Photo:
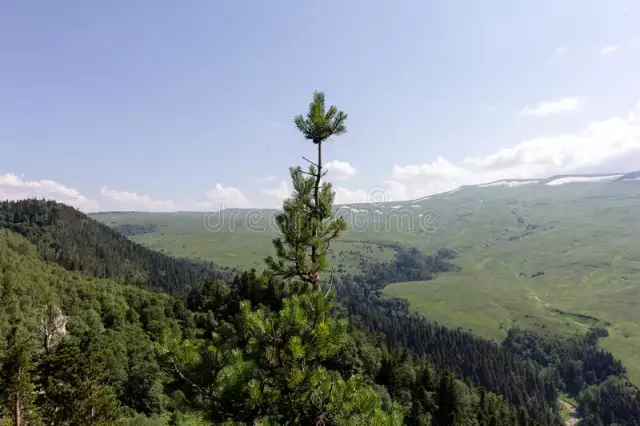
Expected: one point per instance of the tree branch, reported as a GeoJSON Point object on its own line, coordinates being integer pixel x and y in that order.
{"type": "Point", "coordinates": [311, 162]}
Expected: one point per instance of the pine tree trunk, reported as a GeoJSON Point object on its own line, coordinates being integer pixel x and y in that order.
{"type": "Point", "coordinates": [17, 411]}
{"type": "Point", "coordinates": [316, 196]}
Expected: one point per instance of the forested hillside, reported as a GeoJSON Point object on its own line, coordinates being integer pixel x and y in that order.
{"type": "Point", "coordinates": [91, 351]}
{"type": "Point", "coordinates": [132, 341]}
{"type": "Point", "coordinates": [73, 240]}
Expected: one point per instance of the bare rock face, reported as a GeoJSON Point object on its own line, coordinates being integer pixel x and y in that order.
{"type": "Point", "coordinates": [53, 327]}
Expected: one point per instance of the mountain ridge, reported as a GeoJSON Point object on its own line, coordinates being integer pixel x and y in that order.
{"type": "Point", "coordinates": [78, 242]}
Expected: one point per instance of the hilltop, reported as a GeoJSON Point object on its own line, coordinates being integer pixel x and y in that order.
{"type": "Point", "coordinates": [80, 243]}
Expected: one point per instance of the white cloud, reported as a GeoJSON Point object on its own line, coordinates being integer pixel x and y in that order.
{"type": "Point", "coordinates": [13, 187]}
{"type": "Point", "coordinates": [607, 50]}
{"type": "Point", "coordinates": [601, 143]}
{"type": "Point", "coordinates": [124, 200]}
{"type": "Point", "coordinates": [340, 170]}
{"type": "Point", "coordinates": [224, 197]}
{"type": "Point", "coordinates": [560, 106]}
{"type": "Point", "coordinates": [266, 179]}
{"type": "Point", "coordinates": [279, 194]}
{"type": "Point", "coordinates": [348, 196]}
{"type": "Point", "coordinates": [343, 195]}
{"type": "Point", "coordinates": [560, 51]}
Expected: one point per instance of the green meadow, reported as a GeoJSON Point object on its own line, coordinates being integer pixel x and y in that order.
{"type": "Point", "coordinates": [560, 257]}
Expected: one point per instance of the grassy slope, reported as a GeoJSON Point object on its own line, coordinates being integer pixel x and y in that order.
{"type": "Point", "coordinates": [585, 241]}
{"type": "Point", "coordinates": [230, 240]}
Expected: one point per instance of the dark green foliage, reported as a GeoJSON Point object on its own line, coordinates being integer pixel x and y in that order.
{"type": "Point", "coordinates": [521, 382]}
{"type": "Point", "coordinates": [99, 364]}
{"type": "Point", "coordinates": [76, 383]}
{"type": "Point", "coordinates": [578, 360]}
{"type": "Point", "coordinates": [585, 371]}
{"type": "Point", "coordinates": [64, 235]}
{"type": "Point", "coordinates": [16, 383]}
{"type": "Point", "coordinates": [277, 351]}
{"type": "Point", "coordinates": [615, 401]}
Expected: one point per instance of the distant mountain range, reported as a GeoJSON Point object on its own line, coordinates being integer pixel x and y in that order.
{"type": "Point", "coordinates": [553, 181]}
{"type": "Point", "coordinates": [358, 207]}
{"type": "Point", "coordinates": [564, 179]}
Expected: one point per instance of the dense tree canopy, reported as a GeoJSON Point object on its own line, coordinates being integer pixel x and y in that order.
{"type": "Point", "coordinates": [73, 240]}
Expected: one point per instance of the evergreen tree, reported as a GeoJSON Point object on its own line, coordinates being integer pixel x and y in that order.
{"type": "Point", "coordinates": [306, 224]}
{"type": "Point", "coordinates": [76, 382]}
{"type": "Point", "coordinates": [292, 345]}
{"type": "Point", "coordinates": [16, 387]}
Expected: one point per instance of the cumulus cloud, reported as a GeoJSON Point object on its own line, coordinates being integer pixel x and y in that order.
{"type": "Point", "coordinates": [607, 50]}
{"type": "Point", "coordinates": [546, 108]}
{"type": "Point", "coordinates": [224, 197]}
{"type": "Point", "coordinates": [559, 53]}
{"type": "Point", "coordinates": [600, 143]}
{"type": "Point", "coordinates": [266, 179]}
{"type": "Point", "coordinates": [13, 187]}
{"type": "Point", "coordinates": [343, 195]}
{"type": "Point", "coordinates": [124, 200]}
{"type": "Point", "coordinates": [340, 170]}
{"type": "Point", "coordinates": [348, 196]}
{"type": "Point", "coordinates": [278, 194]}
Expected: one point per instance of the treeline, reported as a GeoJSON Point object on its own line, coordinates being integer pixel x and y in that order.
{"type": "Point", "coordinates": [614, 402]}
{"type": "Point", "coordinates": [133, 229]}
{"type": "Point", "coordinates": [80, 350]}
{"type": "Point", "coordinates": [484, 363]}
{"type": "Point", "coordinates": [73, 240]}
{"type": "Point", "coordinates": [578, 360]}
{"type": "Point", "coordinates": [592, 375]}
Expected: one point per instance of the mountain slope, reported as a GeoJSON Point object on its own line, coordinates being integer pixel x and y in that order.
{"type": "Point", "coordinates": [114, 357]}
{"type": "Point", "coordinates": [88, 341]}
{"type": "Point", "coordinates": [78, 242]}
{"type": "Point", "coordinates": [583, 236]}
{"type": "Point", "coordinates": [521, 383]}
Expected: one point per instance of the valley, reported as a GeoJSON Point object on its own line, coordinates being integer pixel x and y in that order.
{"type": "Point", "coordinates": [559, 254]}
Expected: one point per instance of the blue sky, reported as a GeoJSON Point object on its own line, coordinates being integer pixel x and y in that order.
{"type": "Point", "coordinates": [160, 105]}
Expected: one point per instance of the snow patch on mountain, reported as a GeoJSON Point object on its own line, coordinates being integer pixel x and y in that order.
{"type": "Point", "coordinates": [354, 210]}
{"type": "Point", "coordinates": [450, 192]}
{"type": "Point", "coordinates": [581, 179]}
{"type": "Point", "coordinates": [509, 183]}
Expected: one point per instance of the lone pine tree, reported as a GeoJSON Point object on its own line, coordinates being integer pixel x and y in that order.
{"type": "Point", "coordinates": [307, 224]}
